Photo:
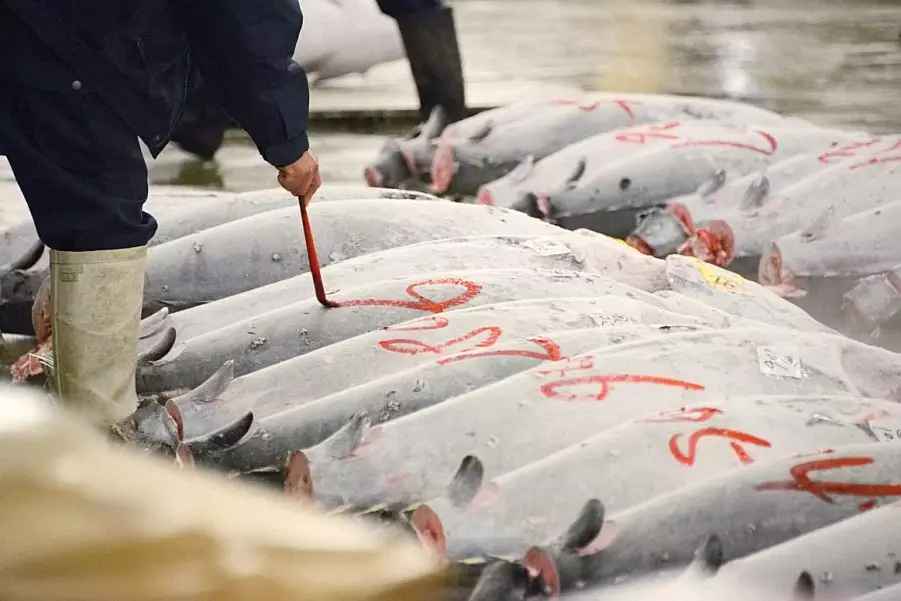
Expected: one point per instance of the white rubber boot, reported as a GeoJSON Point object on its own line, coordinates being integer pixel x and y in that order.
{"type": "Point", "coordinates": [96, 299]}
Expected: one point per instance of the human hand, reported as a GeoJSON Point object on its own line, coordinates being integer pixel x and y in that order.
{"type": "Point", "coordinates": [301, 178]}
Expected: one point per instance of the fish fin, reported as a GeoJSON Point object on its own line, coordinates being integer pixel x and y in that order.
{"type": "Point", "coordinates": [523, 169]}
{"type": "Point", "coordinates": [298, 478]}
{"type": "Point", "coordinates": [756, 193]}
{"type": "Point", "coordinates": [481, 133]}
{"type": "Point", "coordinates": [466, 483]}
{"type": "Point", "coordinates": [805, 588]}
{"type": "Point", "coordinates": [541, 565]}
{"type": "Point", "coordinates": [223, 438]}
{"type": "Point", "coordinates": [175, 413]}
{"type": "Point", "coordinates": [576, 174]}
{"type": "Point", "coordinates": [212, 388]}
{"type": "Point", "coordinates": [603, 540]}
{"type": "Point", "coordinates": [347, 439]}
{"type": "Point", "coordinates": [709, 556]}
{"type": "Point", "coordinates": [28, 259]}
{"type": "Point", "coordinates": [585, 528]}
{"type": "Point", "coordinates": [159, 349]}
{"type": "Point", "coordinates": [183, 457]}
{"type": "Point", "coordinates": [430, 531]}
{"type": "Point", "coordinates": [154, 323]}
{"type": "Point", "coordinates": [819, 226]}
{"type": "Point", "coordinates": [435, 124]}
{"type": "Point", "coordinates": [713, 184]}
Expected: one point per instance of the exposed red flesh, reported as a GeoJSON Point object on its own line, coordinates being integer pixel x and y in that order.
{"type": "Point", "coordinates": [681, 212]}
{"type": "Point", "coordinates": [485, 197]}
{"type": "Point", "coordinates": [713, 242]}
{"type": "Point", "coordinates": [373, 177]}
{"type": "Point", "coordinates": [769, 272]}
{"type": "Point", "coordinates": [442, 169]}
{"type": "Point", "coordinates": [640, 245]}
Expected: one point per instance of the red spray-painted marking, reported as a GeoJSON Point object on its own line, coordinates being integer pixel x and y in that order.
{"type": "Point", "coordinates": [551, 353]}
{"type": "Point", "coordinates": [434, 322]}
{"type": "Point", "coordinates": [627, 107]}
{"type": "Point", "coordinates": [822, 489]}
{"type": "Point", "coordinates": [657, 132]}
{"type": "Point", "coordinates": [569, 365]}
{"type": "Point", "coordinates": [845, 151]}
{"type": "Point", "coordinates": [422, 303]}
{"type": "Point", "coordinates": [694, 414]}
{"type": "Point", "coordinates": [582, 107]}
{"type": "Point", "coordinates": [407, 346]}
{"type": "Point", "coordinates": [551, 389]}
{"type": "Point", "coordinates": [689, 457]}
{"type": "Point", "coordinates": [875, 161]}
{"type": "Point", "coordinates": [770, 140]}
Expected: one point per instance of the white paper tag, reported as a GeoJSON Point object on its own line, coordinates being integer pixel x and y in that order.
{"type": "Point", "coordinates": [547, 247]}
{"type": "Point", "coordinates": [610, 319]}
{"type": "Point", "coordinates": [886, 429]}
{"type": "Point", "coordinates": [781, 362]}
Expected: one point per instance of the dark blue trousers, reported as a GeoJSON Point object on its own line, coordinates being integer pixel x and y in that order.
{"type": "Point", "coordinates": [79, 166]}
{"type": "Point", "coordinates": [399, 9]}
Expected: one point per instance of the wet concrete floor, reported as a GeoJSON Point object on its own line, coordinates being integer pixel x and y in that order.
{"type": "Point", "coordinates": [834, 62]}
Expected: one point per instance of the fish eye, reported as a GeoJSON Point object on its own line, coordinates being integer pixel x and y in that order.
{"type": "Point", "coordinates": [625, 183]}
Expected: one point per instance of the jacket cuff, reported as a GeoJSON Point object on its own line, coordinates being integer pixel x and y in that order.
{"type": "Point", "coordinates": [286, 153]}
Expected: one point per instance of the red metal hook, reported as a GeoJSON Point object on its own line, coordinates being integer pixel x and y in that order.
{"type": "Point", "coordinates": [314, 259]}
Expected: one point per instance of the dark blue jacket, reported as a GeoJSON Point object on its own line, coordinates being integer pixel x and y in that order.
{"type": "Point", "coordinates": [141, 57]}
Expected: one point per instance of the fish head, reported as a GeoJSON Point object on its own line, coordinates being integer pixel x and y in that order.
{"type": "Point", "coordinates": [462, 165]}
{"type": "Point", "coordinates": [507, 581]}
{"type": "Point", "coordinates": [775, 276]}
{"type": "Point", "coordinates": [507, 191]}
{"type": "Point", "coordinates": [390, 168]}
{"type": "Point", "coordinates": [154, 427]}
{"type": "Point", "coordinates": [661, 232]}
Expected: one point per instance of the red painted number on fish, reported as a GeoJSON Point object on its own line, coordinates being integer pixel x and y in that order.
{"type": "Point", "coordinates": [839, 152]}
{"type": "Point", "coordinates": [550, 352]}
{"type": "Point", "coordinates": [738, 438]}
{"type": "Point", "coordinates": [653, 132]}
{"type": "Point", "coordinates": [821, 489]}
{"type": "Point", "coordinates": [879, 158]}
{"type": "Point", "coordinates": [768, 149]}
{"type": "Point", "coordinates": [694, 414]}
{"type": "Point", "coordinates": [566, 389]}
{"type": "Point", "coordinates": [407, 346]}
{"type": "Point", "coordinates": [550, 349]}
{"type": "Point", "coordinates": [419, 302]}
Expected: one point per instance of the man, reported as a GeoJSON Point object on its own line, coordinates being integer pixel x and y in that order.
{"type": "Point", "coordinates": [430, 40]}
{"type": "Point", "coordinates": [80, 82]}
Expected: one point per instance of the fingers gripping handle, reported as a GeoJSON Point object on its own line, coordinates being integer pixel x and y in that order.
{"type": "Point", "coordinates": [311, 255]}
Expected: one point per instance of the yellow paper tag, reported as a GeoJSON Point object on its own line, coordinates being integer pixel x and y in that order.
{"type": "Point", "coordinates": [624, 243]}
{"type": "Point", "coordinates": [718, 278]}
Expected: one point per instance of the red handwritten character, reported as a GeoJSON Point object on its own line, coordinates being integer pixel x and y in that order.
{"type": "Point", "coordinates": [768, 149]}
{"type": "Point", "coordinates": [419, 302]}
{"type": "Point", "coordinates": [736, 436]}
{"type": "Point", "coordinates": [693, 414]}
{"type": "Point", "coordinates": [554, 390]}
{"type": "Point", "coordinates": [568, 366]}
{"type": "Point", "coordinates": [821, 489]}
{"type": "Point", "coordinates": [844, 151]}
{"type": "Point", "coordinates": [551, 352]}
{"type": "Point", "coordinates": [656, 132]}
{"type": "Point", "coordinates": [407, 346]}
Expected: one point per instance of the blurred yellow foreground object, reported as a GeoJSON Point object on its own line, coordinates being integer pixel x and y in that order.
{"type": "Point", "coordinates": [83, 519]}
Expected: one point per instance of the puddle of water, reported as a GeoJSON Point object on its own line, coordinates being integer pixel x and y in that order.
{"type": "Point", "coordinates": [834, 62]}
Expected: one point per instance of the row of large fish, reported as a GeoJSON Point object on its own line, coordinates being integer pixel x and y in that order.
{"type": "Point", "coordinates": [548, 410]}
{"type": "Point", "coordinates": [800, 208]}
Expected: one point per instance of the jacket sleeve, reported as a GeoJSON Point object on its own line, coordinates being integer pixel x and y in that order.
{"type": "Point", "coordinates": [244, 49]}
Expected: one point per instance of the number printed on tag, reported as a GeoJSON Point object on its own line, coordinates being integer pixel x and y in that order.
{"type": "Point", "coordinates": [547, 247]}
{"type": "Point", "coordinates": [717, 278]}
{"type": "Point", "coordinates": [886, 430]}
{"type": "Point", "coordinates": [779, 362]}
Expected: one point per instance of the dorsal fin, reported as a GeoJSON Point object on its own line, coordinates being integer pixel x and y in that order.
{"type": "Point", "coordinates": [713, 184]}
{"type": "Point", "coordinates": [819, 226]}
{"type": "Point", "coordinates": [756, 193]}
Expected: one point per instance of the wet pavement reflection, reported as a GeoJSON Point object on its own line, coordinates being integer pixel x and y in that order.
{"type": "Point", "coordinates": [836, 63]}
